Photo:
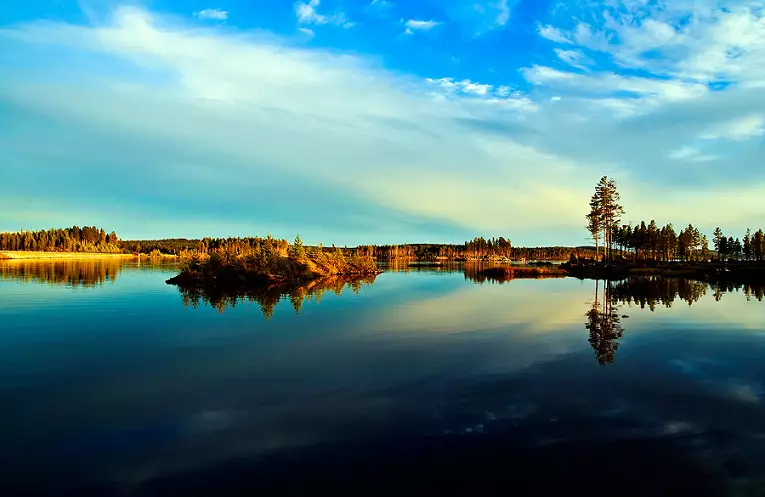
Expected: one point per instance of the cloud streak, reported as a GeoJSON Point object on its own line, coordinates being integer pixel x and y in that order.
{"type": "Point", "coordinates": [212, 15]}
{"type": "Point", "coordinates": [307, 13]}
{"type": "Point", "coordinates": [414, 25]}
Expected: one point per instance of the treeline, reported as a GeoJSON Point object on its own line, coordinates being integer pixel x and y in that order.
{"type": "Point", "coordinates": [75, 239]}
{"type": "Point", "coordinates": [170, 246]}
{"type": "Point", "coordinates": [477, 249]}
{"type": "Point", "coordinates": [650, 242]}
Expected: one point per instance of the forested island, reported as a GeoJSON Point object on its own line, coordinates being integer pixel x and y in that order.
{"type": "Point", "coordinates": [272, 262]}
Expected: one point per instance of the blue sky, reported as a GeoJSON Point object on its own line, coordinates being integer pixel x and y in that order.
{"type": "Point", "coordinates": [360, 121]}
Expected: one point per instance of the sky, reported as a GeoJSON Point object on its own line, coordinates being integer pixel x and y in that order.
{"type": "Point", "coordinates": [380, 121]}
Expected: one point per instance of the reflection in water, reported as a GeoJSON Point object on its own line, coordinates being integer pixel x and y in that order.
{"type": "Point", "coordinates": [268, 296]}
{"type": "Point", "coordinates": [604, 324]}
{"type": "Point", "coordinates": [644, 291]}
{"type": "Point", "coordinates": [657, 291]}
{"type": "Point", "coordinates": [473, 272]}
{"type": "Point", "coordinates": [75, 272]}
{"type": "Point", "coordinates": [401, 266]}
{"type": "Point", "coordinates": [483, 389]}
{"type": "Point", "coordinates": [603, 319]}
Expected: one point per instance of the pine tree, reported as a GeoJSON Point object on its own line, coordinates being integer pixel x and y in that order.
{"type": "Point", "coordinates": [758, 246]}
{"type": "Point", "coordinates": [717, 239]}
{"type": "Point", "coordinates": [605, 214]}
{"type": "Point", "coordinates": [297, 250]}
{"type": "Point", "coordinates": [748, 244]}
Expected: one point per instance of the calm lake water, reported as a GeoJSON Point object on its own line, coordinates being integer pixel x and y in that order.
{"type": "Point", "coordinates": [419, 382]}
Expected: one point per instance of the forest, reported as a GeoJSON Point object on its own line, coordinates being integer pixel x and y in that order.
{"type": "Point", "coordinates": [650, 242]}
{"type": "Point", "coordinates": [476, 249]}
{"type": "Point", "coordinates": [88, 239]}
{"type": "Point", "coordinates": [92, 239]}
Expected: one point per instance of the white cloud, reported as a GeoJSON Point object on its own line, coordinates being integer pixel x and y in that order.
{"type": "Point", "coordinates": [212, 14]}
{"type": "Point", "coordinates": [701, 40]}
{"type": "Point", "coordinates": [415, 25]}
{"type": "Point", "coordinates": [690, 154]}
{"type": "Point", "coordinates": [609, 83]}
{"type": "Point", "coordinates": [307, 13]}
{"type": "Point", "coordinates": [496, 13]}
{"type": "Point", "coordinates": [381, 4]}
{"type": "Point", "coordinates": [574, 58]}
{"type": "Point", "coordinates": [451, 87]}
{"type": "Point", "coordinates": [503, 13]}
{"type": "Point", "coordinates": [307, 31]}
{"type": "Point", "coordinates": [553, 34]}
{"type": "Point", "coordinates": [739, 129]}
{"type": "Point", "coordinates": [478, 17]}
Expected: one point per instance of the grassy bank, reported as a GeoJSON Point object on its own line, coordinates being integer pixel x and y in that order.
{"type": "Point", "coordinates": [30, 255]}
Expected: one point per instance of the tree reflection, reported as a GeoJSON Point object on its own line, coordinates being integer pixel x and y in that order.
{"type": "Point", "coordinates": [652, 292]}
{"type": "Point", "coordinates": [604, 318]}
{"type": "Point", "coordinates": [267, 297]}
{"type": "Point", "coordinates": [74, 273]}
{"type": "Point", "coordinates": [604, 324]}
{"type": "Point", "coordinates": [474, 272]}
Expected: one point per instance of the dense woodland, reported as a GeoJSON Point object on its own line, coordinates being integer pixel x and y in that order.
{"type": "Point", "coordinates": [74, 239]}
{"type": "Point", "coordinates": [476, 249]}
{"type": "Point", "coordinates": [651, 242]}
{"type": "Point", "coordinates": [170, 246]}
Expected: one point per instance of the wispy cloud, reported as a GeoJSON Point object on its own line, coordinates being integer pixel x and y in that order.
{"type": "Point", "coordinates": [496, 13]}
{"type": "Point", "coordinates": [413, 25]}
{"type": "Point", "coordinates": [705, 40]}
{"type": "Point", "coordinates": [479, 17]}
{"type": "Point", "coordinates": [307, 31]}
{"type": "Point", "coordinates": [690, 154]}
{"type": "Point", "coordinates": [380, 5]}
{"type": "Point", "coordinates": [212, 15]}
{"type": "Point", "coordinates": [307, 13]}
{"type": "Point", "coordinates": [450, 87]}
{"type": "Point", "coordinates": [739, 129]}
{"type": "Point", "coordinates": [574, 58]}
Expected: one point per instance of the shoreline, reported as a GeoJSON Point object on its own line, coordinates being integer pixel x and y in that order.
{"type": "Point", "coordinates": [10, 255]}
{"type": "Point", "coordinates": [749, 272]}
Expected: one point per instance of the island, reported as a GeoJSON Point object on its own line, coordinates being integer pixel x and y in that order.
{"type": "Point", "coordinates": [266, 261]}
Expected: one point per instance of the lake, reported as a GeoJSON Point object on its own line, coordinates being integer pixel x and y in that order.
{"type": "Point", "coordinates": [422, 382]}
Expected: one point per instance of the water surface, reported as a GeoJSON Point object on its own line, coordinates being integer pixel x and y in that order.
{"type": "Point", "coordinates": [415, 382]}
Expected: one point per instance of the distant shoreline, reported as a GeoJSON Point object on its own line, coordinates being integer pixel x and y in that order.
{"type": "Point", "coordinates": [12, 255]}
